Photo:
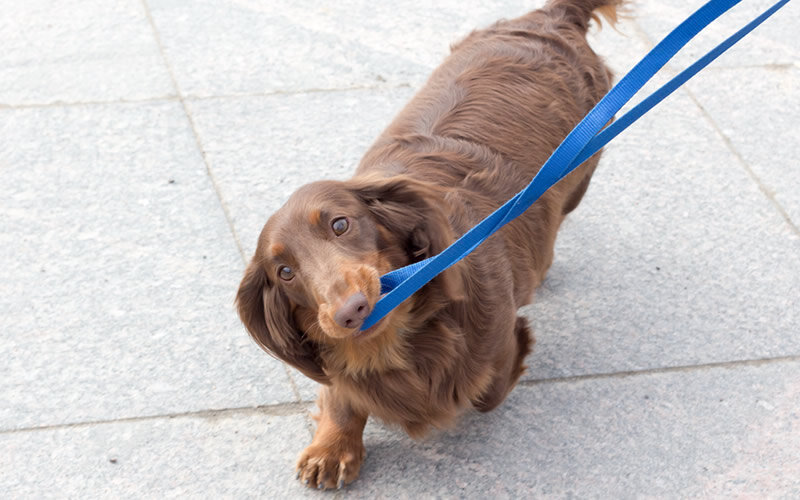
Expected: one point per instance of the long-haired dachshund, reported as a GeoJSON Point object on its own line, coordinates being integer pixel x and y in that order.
{"type": "Point", "coordinates": [475, 135]}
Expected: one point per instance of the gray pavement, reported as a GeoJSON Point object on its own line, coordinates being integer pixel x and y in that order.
{"type": "Point", "coordinates": [143, 143]}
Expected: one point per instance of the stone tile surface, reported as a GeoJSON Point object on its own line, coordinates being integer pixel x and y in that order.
{"type": "Point", "coordinates": [241, 455]}
{"type": "Point", "coordinates": [762, 125]}
{"type": "Point", "coordinates": [120, 271]}
{"type": "Point", "coordinates": [261, 149]}
{"type": "Point", "coordinates": [717, 433]}
{"type": "Point", "coordinates": [315, 52]}
{"type": "Point", "coordinates": [124, 228]}
{"type": "Point", "coordinates": [772, 43]}
{"type": "Point", "coordinates": [78, 50]}
{"type": "Point", "coordinates": [255, 47]}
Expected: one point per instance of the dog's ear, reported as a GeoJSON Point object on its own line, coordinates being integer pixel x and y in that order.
{"type": "Point", "coordinates": [415, 212]}
{"type": "Point", "coordinates": [268, 317]}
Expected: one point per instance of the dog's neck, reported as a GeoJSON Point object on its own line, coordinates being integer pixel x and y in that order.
{"type": "Point", "coordinates": [357, 357]}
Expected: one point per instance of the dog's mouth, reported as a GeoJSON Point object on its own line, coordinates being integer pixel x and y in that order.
{"type": "Point", "coordinates": [347, 319]}
{"type": "Point", "coordinates": [342, 315]}
{"type": "Point", "coordinates": [362, 334]}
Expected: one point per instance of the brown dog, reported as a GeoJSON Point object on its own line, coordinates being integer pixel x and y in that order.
{"type": "Point", "coordinates": [475, 135]}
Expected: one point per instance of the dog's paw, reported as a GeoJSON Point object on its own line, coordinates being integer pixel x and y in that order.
{"type": "Point", "coordinates": [330, 466]}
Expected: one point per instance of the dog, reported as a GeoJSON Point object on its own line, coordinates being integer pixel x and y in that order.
{"type": "Point", "coordinates": [470, 139]}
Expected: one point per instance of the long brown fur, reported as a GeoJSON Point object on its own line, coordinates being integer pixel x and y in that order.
{"type": "Point", "coordinates": [476, 133]}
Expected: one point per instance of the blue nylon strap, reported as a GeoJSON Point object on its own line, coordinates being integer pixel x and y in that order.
{"type": "Point", "coordinates": [607, 134]}
{"type": "Point", "coordinates": [578, 146]}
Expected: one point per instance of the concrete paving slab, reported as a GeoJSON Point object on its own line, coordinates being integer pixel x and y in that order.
{"type": "Point", "coordinates": [674, 258]}
{"type": "Point", "coordinates": [340, 45]}
{"type": "Point", "coordinates": [762, 124]}
{"type": "Point", "coordinates": [716, 433]}
{"type": "Point", "coordinates": [773, 43]}
{"type": "Point", "coordinates": [78, 50]}
{"type": "Point", "coordinates": [721, 432]}
{"type": "Point", "coordinates": [435, 26]}
{"type": "Point", "coordinates": [255, 48]}
{"type": "Point", "coordinates": [298, 138]}
{"type": "Point", "coordinates": [117, 329]}
{"type": "Point", "coordinates": [119, 272]}
{"type": "Point", "coordinates": [245, 454]}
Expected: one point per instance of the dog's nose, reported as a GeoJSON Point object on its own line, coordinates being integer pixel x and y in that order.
{"type": "Point", "coordinates": [353, 311]}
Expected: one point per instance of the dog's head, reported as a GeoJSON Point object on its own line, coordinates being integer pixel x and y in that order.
{"type": "Point", "coordinates": [315, 274]}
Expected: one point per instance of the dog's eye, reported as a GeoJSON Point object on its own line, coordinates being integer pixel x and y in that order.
{"type": "Point", "coordinates": [286, 273]}
{"type": "Point", "coordinates": [340, 225]}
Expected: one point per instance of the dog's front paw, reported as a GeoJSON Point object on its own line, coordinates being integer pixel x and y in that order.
{"type": "Point", "coordinates": [330, 465]}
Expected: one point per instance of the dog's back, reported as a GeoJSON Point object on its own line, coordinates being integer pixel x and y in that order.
{"type": "Point", "coordinates": [494, 111]}
{"type": "Point", "coordinates": [516, 88]}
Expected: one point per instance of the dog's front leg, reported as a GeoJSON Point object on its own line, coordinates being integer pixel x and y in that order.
{"type": "Point", "coordinates": [334, 457]}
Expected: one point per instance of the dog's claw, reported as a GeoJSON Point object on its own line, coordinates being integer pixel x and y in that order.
{"type": "Point", "coordinates": [342, 470]}
{"type": "Point", "coordinates": [326, 469]}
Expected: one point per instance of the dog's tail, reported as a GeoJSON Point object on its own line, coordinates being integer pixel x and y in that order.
{"type": "Point", "coordinates": [580, 12]}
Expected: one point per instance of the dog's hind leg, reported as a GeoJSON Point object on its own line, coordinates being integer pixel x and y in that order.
{"type": "Point", "coordinates": [509, 368]}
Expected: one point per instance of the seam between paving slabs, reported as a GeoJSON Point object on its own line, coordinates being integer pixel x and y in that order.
{"type": "Point", "coordinates": [65, 104]}
{"type": "Point", "coordinates": [663, 370]}
{"type": "Point", "coordinates": [288, 92]}
{"type": "Point", "coordinates": [192, 98]}
{"type": "Point", "coordinates": [766, 191]}
{"type": "Point", "coordinates": [770, 66]}
{"type": "Point", "coordinates": [275, 410]}
{"type": "Point", "coordinates": [301, 408]}
{"type": "Point", "coordinates": [211, 176]}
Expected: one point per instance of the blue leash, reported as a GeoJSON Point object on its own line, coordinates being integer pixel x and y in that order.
{"type": "Point", "coordinates": [584, 141]}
